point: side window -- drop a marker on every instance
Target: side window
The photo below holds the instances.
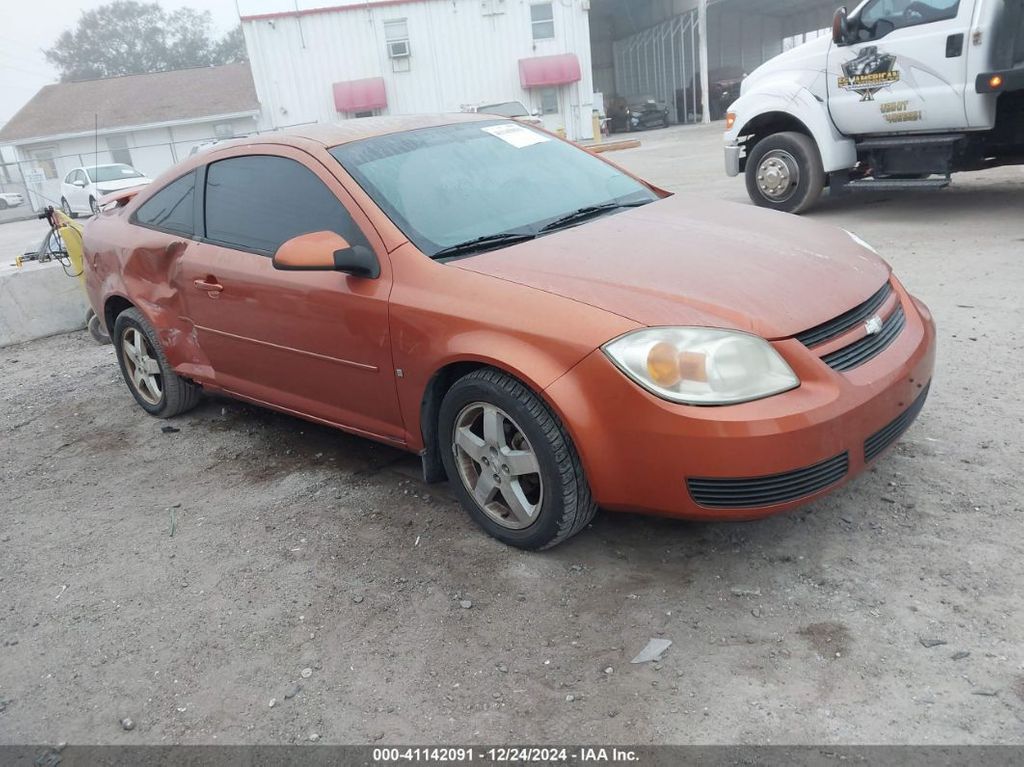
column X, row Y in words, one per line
column 258, row 202
column 542, row 20
column 895, row 14
column 171, row 209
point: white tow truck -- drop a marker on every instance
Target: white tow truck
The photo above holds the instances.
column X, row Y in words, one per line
column 901, row 95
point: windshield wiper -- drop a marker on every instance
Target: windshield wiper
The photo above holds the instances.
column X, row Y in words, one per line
column 588, row 212
column 487, row 242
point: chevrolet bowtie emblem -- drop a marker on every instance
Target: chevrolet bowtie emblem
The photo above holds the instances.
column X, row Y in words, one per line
column 873, row 326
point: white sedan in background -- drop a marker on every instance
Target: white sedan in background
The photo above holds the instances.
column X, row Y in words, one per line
column 83, row 187
column 10, row 200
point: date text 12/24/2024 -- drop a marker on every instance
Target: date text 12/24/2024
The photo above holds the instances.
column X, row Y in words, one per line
column 505, row 754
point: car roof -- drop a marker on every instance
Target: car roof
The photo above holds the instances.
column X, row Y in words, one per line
column 334, row 134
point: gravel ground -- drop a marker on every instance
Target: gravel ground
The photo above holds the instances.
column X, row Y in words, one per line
column 251, row 578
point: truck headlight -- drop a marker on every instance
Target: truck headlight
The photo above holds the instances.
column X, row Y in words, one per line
column 702, row 366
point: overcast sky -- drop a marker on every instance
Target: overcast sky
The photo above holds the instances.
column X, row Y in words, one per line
column 30, row 26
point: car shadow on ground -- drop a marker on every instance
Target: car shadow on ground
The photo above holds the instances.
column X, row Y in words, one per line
column 275, row 446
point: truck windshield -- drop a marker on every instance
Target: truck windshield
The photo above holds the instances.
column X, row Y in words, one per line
column 457, row 183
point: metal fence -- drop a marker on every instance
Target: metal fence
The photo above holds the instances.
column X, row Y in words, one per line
column 663, row 62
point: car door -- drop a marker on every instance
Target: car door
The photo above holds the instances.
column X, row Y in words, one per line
column 906, row 70
column 76, row 189
column 312, row 343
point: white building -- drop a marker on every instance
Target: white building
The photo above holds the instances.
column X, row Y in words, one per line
column 149, row 121
column 400, row 57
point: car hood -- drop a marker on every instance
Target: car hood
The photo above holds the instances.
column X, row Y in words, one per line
column 687, row 261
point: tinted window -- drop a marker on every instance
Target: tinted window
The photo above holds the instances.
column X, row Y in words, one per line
column 172, row 208
column 907, row 13
column 257, row 203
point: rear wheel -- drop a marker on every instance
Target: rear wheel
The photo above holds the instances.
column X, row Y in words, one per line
column 3, row 204
column 156, row 387
column 93, row 206
column 511, row 463
column 784, row 172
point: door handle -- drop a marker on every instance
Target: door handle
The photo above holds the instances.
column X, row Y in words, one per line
column 954, row 46
column 210, row 285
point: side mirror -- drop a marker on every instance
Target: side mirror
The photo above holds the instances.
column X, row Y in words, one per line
column 79, row 183
column 326, row 252
column 841, row 27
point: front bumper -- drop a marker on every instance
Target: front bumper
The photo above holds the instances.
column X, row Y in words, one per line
column 732, row 159
column 645, row 454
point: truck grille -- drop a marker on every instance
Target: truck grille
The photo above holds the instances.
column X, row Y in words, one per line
column 868, row 347
column 836, row 327
column 753, row 492
column 881, row 439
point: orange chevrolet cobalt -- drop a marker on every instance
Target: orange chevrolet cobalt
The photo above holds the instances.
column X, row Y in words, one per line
column 548, row 332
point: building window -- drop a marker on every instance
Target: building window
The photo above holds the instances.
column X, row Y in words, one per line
column 396, row 36
column 542, row 17
column 549, row 101
column 46, row 163
column 118, row 146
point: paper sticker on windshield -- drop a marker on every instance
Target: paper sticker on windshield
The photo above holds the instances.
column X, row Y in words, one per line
column 516, row 135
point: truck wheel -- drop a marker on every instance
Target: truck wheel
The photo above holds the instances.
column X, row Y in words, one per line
column 784, row 172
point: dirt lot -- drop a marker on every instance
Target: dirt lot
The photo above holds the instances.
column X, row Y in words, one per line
column 186, row 580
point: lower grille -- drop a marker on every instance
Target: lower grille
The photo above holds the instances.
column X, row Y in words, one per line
column 753, row 492
column 869, row 347
column 885, row 436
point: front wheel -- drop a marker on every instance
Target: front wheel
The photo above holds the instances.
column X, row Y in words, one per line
column 3, row 204
column 784, row 172
column 66, row 207
column 511, row 463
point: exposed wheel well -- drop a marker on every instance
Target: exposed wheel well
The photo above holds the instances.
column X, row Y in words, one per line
column 437, row 387
column 114, row 306
column 765, row 125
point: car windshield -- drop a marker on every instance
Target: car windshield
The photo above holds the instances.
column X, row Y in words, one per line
column 456, row 183
column 505, row 109
column 102, row 173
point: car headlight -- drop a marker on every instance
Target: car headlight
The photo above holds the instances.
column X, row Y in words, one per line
column 702, row 366
column 863, row 243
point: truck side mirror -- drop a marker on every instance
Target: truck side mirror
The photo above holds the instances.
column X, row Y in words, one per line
column 841, row 27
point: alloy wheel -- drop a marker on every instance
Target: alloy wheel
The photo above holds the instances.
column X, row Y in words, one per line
column 142, row 365
column 497, row 465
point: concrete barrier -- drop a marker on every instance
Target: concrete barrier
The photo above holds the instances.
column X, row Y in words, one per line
column 39, row 300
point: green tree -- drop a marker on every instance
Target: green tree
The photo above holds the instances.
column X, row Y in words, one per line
column 126, row 37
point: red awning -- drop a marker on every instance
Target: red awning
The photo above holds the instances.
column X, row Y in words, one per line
column 544, row 71
column 360, row 95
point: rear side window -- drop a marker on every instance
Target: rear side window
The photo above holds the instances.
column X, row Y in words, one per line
column 258, row 202
column 172, row 209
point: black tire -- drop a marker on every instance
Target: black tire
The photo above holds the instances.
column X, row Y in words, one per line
column 93, row 206
column 800, row 155
column 66, row 207
column 3, row 204
column 566, row 506
column 178, row 395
